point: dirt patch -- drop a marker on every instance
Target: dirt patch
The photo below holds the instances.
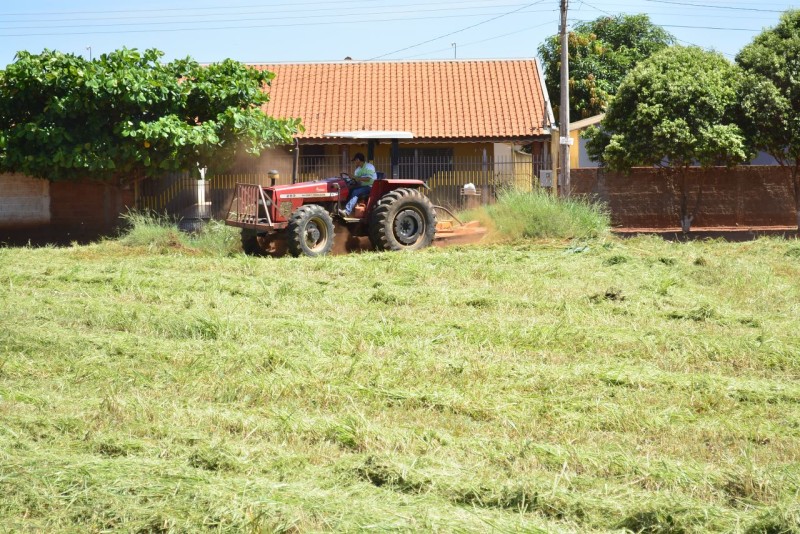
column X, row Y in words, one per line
column 460, row 235
column 346, row 243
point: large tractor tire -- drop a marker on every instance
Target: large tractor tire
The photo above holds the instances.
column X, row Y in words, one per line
column 310, row 231
column 403, row 219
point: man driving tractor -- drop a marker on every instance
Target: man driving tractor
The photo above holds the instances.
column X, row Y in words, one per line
column 365, row 174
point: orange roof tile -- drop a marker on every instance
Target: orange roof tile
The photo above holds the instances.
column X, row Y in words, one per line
column 436, row 100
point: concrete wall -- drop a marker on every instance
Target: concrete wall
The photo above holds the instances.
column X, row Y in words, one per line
column 24, row 200
column 62, row 212
column 744, row 196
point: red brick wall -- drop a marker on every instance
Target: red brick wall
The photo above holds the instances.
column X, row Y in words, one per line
column 82, row 211
column 645, row 198
column 744, row 196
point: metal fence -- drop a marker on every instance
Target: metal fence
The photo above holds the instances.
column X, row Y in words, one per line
column 456, row 183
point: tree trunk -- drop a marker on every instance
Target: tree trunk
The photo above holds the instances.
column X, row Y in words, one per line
column 698, row 202
column 795, row 177
column 686, row 223
column 686, row 217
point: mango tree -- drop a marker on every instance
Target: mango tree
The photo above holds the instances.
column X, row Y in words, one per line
column 675, row 110
column 771, row 95
column 127, row 115
column 601, row 53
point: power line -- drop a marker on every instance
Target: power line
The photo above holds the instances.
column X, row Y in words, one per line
column 457, row 31
column 223, row 7
column 705, row 48
column 671, row 2
column 709, row 28
column 683, row 13
column 678, row 8
column 304, row 16
column 596, row 8
column 382, row 10
column 471, row 43
column 249, row 26
column 712, row 4
column 678, row 40
column 271, row 12
column 697, row 27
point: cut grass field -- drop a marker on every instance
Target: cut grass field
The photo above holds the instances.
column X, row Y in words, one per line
column 556, row 385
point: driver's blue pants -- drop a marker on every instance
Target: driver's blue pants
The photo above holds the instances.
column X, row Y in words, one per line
column 354, row 196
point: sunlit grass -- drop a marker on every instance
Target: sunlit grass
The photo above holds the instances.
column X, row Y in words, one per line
column 632, row 384
column 160, row 233
column 519, row 215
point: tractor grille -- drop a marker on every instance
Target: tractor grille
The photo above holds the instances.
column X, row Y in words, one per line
column 249, row 206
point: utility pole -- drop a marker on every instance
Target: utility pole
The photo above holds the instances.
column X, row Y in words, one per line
column 563, row 111
column 455, row 50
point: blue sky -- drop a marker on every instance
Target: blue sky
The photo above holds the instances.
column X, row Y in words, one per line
column 328, row 30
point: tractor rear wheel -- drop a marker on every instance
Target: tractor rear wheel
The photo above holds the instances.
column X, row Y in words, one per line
column 310, row 231
column 403, row 219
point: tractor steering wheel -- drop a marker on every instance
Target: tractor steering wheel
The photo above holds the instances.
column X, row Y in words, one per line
column 351, row 183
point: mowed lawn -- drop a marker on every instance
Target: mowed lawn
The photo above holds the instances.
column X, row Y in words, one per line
column 554, row 386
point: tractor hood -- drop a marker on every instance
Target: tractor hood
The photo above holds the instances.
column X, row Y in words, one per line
column 326, row 185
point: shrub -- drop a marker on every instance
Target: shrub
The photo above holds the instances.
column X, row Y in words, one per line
column 160, row 233
column 150, row 229
column 525, row 215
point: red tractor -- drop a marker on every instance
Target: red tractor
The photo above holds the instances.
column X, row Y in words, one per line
column 395, row 216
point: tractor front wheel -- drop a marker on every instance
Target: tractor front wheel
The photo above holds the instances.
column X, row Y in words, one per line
column 403, row 219
column 310, row 231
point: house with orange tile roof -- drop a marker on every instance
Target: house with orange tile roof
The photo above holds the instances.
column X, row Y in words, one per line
column 456, row 110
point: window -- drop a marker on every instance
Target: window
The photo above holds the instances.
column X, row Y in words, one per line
column 312, row 158
column 422, row 163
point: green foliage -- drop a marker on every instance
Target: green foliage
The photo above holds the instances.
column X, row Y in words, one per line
column 675, row 109
column 127, row 115
column 771, row 94
column 521, row 215
column 601, row 53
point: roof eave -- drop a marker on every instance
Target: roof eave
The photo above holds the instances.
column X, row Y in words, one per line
column 551, row 119
column 539, row 136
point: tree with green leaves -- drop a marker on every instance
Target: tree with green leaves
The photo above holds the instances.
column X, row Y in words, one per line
column 675, row 110
column 771, row 95
column 601, row 53
column 127, row 115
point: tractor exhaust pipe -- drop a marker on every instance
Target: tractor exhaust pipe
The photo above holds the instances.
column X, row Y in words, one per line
column 296, row 160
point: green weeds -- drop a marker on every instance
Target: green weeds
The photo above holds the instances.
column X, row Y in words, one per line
column 521, row 215
column 159, row 234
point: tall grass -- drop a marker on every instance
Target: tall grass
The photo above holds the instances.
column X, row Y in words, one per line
column 521, row 215
column 159, row 233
